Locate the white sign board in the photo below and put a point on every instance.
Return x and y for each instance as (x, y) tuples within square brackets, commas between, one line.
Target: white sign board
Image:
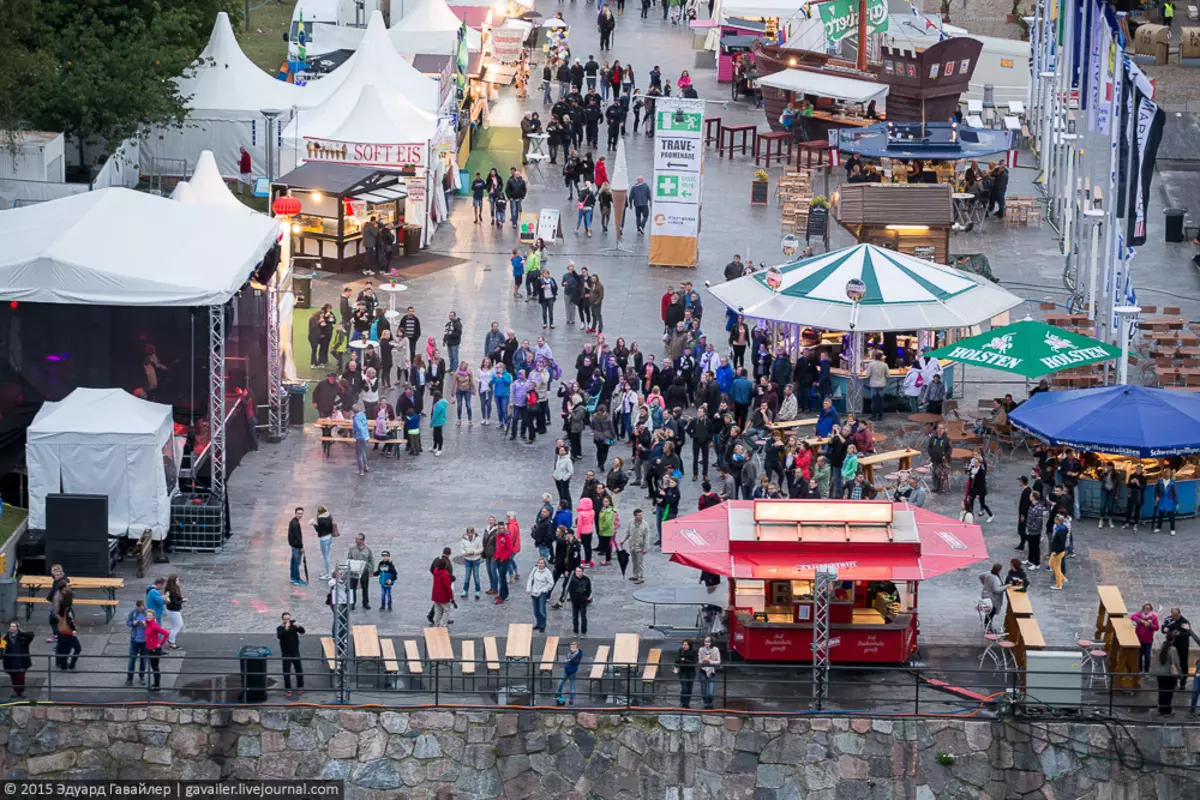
[(366, 154), (678, 181), (548, 225), (674, 219)]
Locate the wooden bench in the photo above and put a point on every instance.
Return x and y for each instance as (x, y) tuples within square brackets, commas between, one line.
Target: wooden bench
[(519, 644), (109, 586), (599, 665), (368, 658), (549, 655), (391, 665), (400, 442), (491, 654), (903, 457), (330, 651), (650, 671), (412, 658), (109, 606), (467, 663)]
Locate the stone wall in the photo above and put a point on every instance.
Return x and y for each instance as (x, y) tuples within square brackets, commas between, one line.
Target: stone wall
[(484, 754)]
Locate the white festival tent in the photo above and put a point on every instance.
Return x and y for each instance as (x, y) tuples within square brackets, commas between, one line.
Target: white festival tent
[(375, 61), (77, 250), (431, 28), (225, 95), (107, 442), (209, 188)]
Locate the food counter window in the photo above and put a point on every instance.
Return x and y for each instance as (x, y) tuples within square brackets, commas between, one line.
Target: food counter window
[(751, 595), (384, 212)]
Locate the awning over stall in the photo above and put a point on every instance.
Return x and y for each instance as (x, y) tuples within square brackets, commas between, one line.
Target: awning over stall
[(823, 84)]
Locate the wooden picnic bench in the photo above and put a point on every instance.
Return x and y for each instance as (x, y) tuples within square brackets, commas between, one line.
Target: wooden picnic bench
[(650, 671), (519, 644), (391, 664), (412, 661), (109, 586), (903, 457), (794, 423), (368, 656), (549, 655), (599, 665), (467, 662), (491, 654)]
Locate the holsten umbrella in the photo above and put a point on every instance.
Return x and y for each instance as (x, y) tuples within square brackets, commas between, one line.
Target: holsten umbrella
[(1029, 348), (1121, 420), (895, 291)]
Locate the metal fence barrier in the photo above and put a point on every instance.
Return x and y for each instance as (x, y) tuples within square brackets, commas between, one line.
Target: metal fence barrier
[(737, 687)]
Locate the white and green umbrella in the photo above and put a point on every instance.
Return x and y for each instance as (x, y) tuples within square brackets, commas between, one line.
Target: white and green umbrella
[(1028, 348), (898, 293)]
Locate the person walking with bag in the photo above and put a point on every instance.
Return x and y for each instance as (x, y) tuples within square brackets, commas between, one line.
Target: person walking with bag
[(66, 646), (538, 587)]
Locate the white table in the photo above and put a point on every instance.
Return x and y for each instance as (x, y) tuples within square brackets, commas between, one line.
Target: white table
[(392, 290), (962, 209), (363, 344), (1016, 106), (1012, 123)]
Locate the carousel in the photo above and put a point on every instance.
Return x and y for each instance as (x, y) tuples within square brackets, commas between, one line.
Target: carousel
[(862, 298), (796, 569)]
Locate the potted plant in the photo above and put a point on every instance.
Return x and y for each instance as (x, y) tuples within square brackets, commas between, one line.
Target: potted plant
[(820, 201), (761, 179)]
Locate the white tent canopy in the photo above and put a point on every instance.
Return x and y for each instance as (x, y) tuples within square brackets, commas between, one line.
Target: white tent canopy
[(431, 27), (783, 9), (902, 293), (825, 85), (106, 442), (79, 250), (372, 114), (225, 95), (209, 188), (375, 61)]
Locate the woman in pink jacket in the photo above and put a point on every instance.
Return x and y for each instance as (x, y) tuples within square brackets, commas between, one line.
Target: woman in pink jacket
[(585, 526), (514, 533), (156, 637)]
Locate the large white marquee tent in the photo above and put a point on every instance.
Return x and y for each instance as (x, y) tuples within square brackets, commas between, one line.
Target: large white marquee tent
[(105, 441), (431, 27), (226, 94)]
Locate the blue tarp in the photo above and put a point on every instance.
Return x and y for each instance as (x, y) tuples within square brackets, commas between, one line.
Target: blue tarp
[(1121, 420), (934, 145)]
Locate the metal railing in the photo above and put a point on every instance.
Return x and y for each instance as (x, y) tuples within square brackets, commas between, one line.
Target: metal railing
[(900, 691)]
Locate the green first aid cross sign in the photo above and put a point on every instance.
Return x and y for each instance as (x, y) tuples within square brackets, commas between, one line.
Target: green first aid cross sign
[(690, 122), (675, 187)]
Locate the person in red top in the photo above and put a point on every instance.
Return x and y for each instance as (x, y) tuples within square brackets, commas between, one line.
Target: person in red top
[(601, 172), (665, 303), (504, 555), (443, 593), (514, 531), (156, 637), (245, 171)]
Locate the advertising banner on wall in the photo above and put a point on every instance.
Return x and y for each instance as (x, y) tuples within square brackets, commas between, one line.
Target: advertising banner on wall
[(678, 180), (840, 18)]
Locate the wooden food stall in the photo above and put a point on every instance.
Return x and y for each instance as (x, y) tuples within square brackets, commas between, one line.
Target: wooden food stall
[(915, 219), (336, 200), (771, 549)]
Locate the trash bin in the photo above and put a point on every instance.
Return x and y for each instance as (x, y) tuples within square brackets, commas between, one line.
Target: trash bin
[(9, 589), (412, 240), (254, 673), (1174, 231), (295, 398), (302, 288), (464, 182)]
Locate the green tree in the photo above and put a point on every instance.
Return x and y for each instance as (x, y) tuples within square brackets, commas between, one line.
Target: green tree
[(99, 69)]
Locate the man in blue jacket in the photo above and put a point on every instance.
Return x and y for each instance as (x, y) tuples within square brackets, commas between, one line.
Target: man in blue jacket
[(362, 434), (827, 419), (740, 394)]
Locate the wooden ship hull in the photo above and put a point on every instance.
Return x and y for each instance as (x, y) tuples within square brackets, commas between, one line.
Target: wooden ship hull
[(922, 86)]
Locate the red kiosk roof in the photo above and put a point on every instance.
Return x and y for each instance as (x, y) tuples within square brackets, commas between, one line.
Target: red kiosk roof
[(702, 541)]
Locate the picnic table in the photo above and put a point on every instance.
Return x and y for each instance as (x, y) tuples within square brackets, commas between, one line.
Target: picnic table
[(795, 423), (366, 641), (904, 457), (39, 583), (437, 644), (625, 648), (925, 419), (519, 644)]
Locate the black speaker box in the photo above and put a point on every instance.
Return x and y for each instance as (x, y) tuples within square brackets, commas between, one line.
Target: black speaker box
[(77, 534)]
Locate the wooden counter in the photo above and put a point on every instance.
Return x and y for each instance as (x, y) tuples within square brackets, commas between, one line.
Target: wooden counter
[(1123, 653), (871, 640), (1028, 637), (1019, 607)]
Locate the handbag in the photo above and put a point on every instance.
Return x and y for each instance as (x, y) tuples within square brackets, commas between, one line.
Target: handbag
[(336, 531), (64, 627), (580, 205)]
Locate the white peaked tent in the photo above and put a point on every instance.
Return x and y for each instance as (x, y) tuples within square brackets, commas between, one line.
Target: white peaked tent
[(209, 188), (372, 113), (431, 27), (375, 61), (105, 441), (78, 250), (182, 193), (225, 94)]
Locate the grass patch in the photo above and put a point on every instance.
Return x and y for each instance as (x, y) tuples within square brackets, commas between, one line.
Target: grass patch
[(263, 43), (9, 522)]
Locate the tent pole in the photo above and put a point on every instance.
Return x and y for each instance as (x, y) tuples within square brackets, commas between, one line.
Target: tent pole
[(216, 407)]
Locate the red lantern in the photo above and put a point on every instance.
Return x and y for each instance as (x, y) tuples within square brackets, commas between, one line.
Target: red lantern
[(286, 206)]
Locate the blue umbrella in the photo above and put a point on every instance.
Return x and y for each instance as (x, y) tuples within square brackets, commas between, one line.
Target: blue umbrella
[(1122, 420)]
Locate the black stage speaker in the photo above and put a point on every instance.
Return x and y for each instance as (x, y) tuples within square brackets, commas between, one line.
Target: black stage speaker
[(77, 534)]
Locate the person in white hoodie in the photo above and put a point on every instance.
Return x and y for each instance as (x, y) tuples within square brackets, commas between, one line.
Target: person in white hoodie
[(470, 547), (564, 470), (539, 586), (914, 382)]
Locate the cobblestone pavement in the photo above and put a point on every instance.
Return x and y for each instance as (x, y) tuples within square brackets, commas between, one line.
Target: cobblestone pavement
[(415, 506)]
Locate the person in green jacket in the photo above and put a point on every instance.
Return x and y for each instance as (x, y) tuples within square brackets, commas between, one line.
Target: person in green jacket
[(437, 421), (533, 269), (850, 465), (606, 528), (821, 476)]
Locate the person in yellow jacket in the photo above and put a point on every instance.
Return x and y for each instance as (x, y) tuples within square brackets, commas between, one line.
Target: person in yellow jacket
[(606, 528)]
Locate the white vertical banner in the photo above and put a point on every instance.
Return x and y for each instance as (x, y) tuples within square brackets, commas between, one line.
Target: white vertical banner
[(678, 180), (1098, 53)]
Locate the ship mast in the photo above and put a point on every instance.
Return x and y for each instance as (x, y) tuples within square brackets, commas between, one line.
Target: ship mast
[(862, 35)]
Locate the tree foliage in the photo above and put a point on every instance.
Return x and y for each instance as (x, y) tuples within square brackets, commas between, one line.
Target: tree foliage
[(99, 69)]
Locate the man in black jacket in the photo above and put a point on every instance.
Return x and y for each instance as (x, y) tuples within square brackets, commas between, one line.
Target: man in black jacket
[(700, 430), (515, 190), (592, 114), (1023, 509), (410, 327), (577, 76), (579, 589), (571, 284), (564, 84), (614, 115), (296, 542), (591, 69), (346, 306), (288, 635), (452, 338), (735, 268)]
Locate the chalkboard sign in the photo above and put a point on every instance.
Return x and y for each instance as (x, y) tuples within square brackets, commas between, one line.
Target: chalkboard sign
[(818, 222), (759, 193)]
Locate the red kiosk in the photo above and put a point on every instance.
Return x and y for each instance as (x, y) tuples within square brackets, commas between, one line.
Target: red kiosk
[(771, 549)]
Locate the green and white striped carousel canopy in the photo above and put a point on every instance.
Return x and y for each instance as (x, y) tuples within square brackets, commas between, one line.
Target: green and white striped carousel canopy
[(897, 292)]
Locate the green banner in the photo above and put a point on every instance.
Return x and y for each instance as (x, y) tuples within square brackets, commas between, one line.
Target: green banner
[(840, 18)]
